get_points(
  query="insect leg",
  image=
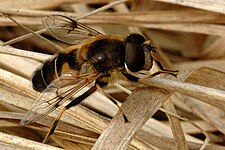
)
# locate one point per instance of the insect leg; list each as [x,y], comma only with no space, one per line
[114,102]
[75,102]
[54,125]
[162,69]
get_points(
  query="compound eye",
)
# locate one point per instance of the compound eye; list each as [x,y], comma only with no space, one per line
[134,53]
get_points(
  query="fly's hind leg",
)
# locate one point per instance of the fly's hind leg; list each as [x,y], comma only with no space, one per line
[75,102]
[54,125]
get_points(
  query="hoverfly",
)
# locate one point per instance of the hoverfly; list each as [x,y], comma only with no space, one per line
[95,57]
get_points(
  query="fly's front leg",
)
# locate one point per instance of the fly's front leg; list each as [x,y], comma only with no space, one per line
[162,69]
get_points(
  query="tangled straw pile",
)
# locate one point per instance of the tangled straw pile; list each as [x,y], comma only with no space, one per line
[189,36]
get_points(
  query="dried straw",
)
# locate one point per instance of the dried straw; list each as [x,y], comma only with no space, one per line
[189,36]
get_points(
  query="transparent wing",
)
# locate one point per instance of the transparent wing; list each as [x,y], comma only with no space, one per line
[67,30]
[57,93]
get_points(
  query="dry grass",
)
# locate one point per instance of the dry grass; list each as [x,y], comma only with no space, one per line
[189,36]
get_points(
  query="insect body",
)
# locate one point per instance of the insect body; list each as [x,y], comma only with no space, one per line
[102,54]
[105,54]
[96,58]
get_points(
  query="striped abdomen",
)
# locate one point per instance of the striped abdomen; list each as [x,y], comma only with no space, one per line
[52,69]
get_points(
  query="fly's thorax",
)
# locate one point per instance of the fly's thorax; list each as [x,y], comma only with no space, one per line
[105,53]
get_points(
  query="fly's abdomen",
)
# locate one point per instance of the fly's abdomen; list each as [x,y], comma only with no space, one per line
[53,69]
[44,76]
